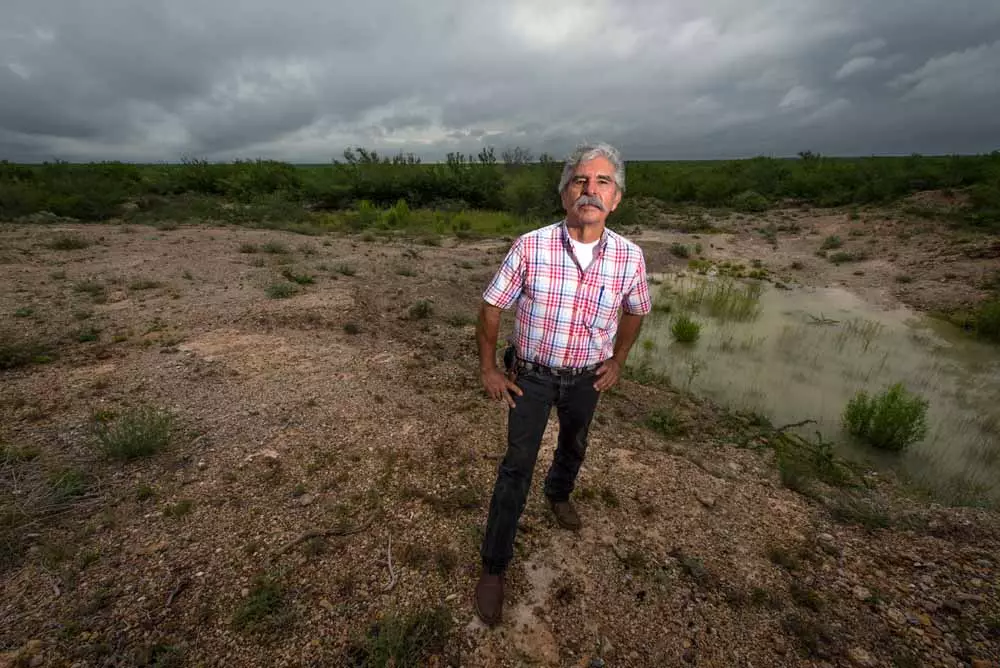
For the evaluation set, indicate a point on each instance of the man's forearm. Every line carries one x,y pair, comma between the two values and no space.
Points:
487,330
628,332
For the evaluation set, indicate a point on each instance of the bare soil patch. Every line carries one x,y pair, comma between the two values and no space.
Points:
314,430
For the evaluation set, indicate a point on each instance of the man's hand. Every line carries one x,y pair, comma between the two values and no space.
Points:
608,374
499,386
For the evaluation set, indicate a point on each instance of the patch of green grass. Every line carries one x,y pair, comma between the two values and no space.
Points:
281,290
782,557
684,329
24,312
893,420
421,310
68,484
88,335
139,432
67,241
275,247
987,321
414,641
831,242
345,269
264,609
865,511
727,299
13,454
665,423
179,509
301,279
841,257
143,284
144,492
680,250
609,497
16,354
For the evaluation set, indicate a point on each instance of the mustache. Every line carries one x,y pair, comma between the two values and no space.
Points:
583,200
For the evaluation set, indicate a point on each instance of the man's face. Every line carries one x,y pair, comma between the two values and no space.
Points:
591,193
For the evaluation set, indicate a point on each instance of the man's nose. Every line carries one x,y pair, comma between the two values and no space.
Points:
589,187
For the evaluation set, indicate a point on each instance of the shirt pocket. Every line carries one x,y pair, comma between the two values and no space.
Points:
608,303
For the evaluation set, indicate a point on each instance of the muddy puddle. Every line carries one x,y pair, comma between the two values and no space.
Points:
802,353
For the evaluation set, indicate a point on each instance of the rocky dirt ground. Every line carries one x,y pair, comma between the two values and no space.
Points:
324,492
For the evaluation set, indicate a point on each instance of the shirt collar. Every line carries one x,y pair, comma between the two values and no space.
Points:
602,243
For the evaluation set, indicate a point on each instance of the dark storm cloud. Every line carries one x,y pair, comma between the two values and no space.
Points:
302,80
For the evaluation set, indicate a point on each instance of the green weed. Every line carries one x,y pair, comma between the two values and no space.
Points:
831,242
281,290
301,279
264,609
892,420
680,250
414,641
139,432
684,329
421,310
665,423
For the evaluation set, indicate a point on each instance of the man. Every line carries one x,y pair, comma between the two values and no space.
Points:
569,344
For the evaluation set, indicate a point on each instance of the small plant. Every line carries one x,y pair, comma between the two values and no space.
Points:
68,242
14,354
609,497
988,321
680,250
87,335
782,557
408,642
893,420
24,312
664,423
12,454
143,284
187,275
139,432
831,242
684,329
275,247
345,269
248,248
460,320
421,310
144,492
797,265
301,279
263,609
179,509
282,290
352,328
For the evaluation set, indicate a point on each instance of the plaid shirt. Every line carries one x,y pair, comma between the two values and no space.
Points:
567,317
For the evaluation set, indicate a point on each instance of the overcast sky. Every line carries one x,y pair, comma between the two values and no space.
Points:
300,80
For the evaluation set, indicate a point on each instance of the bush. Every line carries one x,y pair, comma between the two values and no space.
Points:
138,433
988,321
831,242
680,250
750,201
893,420
685,330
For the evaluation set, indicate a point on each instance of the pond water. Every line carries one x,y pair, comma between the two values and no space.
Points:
802,353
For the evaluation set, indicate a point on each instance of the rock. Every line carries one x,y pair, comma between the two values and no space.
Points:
705,499
827,543
597,662
634,655
202,465
860,657
735,467
982,663
861,593
306,499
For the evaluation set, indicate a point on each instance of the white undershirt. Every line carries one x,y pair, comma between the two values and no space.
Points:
584,252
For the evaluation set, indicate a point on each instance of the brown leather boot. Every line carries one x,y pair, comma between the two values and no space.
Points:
489,598
566,515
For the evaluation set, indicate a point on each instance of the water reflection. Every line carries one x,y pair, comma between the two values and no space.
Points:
804,353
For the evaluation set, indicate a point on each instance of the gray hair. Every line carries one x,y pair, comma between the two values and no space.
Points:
585,152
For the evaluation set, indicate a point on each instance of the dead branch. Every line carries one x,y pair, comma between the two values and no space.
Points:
181,584
392,573
323,533
793,424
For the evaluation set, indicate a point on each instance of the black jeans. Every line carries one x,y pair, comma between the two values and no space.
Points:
575,400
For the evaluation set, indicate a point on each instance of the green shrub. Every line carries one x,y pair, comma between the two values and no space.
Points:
301,279
685,330
68,242
139,432
892,420
282,290
680,250
988,321
831,242
421,309
264,609
407,642
750,201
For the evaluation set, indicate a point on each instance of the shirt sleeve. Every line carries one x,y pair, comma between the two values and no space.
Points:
637,300
508,282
